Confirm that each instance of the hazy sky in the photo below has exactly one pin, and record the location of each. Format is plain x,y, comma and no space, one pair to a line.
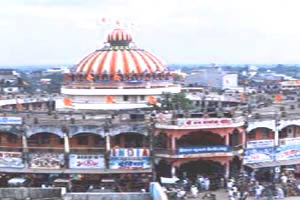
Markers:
191,31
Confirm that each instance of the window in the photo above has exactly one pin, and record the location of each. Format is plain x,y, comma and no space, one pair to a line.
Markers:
12,139
125,98
82,140
45,139
142,97
265,134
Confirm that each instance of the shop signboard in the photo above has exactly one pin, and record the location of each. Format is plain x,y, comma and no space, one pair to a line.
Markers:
11,159
130,158
289,141
260,144
11,120
86,161
288,152
203,149
129,163
205,122
259,155
46,160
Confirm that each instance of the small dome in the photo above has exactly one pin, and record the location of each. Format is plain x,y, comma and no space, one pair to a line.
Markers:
119,37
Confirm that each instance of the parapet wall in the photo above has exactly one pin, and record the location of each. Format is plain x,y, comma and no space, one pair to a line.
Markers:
32,193
108,196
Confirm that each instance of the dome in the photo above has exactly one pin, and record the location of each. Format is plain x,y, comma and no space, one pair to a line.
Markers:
119,58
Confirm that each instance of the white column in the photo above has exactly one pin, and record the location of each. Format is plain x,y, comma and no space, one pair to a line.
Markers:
227,170
107,138
173,171
276,135
66,143
173,143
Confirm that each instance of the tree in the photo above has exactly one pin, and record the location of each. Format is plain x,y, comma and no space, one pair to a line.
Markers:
175,102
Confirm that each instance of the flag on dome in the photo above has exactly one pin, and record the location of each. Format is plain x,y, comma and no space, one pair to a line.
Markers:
68,102
110,99
89,77
152,100
116,77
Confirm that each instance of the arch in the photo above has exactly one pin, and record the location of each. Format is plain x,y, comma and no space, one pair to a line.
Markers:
286,124
270,124
74,130
135,128
41,138
204,138
44,129
291,130
130,140
207,168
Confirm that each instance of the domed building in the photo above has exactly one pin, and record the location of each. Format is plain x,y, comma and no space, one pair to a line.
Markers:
117,76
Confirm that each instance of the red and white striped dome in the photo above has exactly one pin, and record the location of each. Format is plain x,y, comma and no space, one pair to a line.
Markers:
122,61
119,58
119,34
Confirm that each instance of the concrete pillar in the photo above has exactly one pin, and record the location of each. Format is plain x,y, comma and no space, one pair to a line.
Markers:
30,107
173,143
227,170
25,149
276,134
107,138
243,136
173,171
227,139
43,106
66,144
66,149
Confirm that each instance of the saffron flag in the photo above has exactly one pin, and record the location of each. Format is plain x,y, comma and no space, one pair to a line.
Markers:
110,99
89,77
278,98
152,100
116,77
67,102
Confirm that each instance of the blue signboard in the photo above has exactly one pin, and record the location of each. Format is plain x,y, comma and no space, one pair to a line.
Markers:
11,120
288,152
129,163
258,155
202,149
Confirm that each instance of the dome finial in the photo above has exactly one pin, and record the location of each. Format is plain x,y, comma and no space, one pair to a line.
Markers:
119,37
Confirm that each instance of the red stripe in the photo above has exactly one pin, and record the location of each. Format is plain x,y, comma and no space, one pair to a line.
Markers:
137,65
144,59
84,61
113,62
101,64
151,58
90,67
125,61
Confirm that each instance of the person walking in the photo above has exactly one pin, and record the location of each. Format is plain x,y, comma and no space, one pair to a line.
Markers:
258,191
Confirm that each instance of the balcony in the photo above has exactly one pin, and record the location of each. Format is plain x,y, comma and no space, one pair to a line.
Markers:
200,123
199,151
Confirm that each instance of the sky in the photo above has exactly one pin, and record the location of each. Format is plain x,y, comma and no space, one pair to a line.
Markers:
54,32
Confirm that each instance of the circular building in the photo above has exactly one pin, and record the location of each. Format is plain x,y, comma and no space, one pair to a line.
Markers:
117,76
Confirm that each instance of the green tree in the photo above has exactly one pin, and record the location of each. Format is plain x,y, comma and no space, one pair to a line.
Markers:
175,102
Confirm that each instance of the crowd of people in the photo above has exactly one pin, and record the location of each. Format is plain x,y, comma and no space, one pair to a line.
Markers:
240,187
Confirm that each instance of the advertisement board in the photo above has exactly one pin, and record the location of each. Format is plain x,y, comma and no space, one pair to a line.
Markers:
205,122
47,160
289,141
11,159
288,152
130,152
258,155
260,144
79,161
130,158
202,149
129,163
11,120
